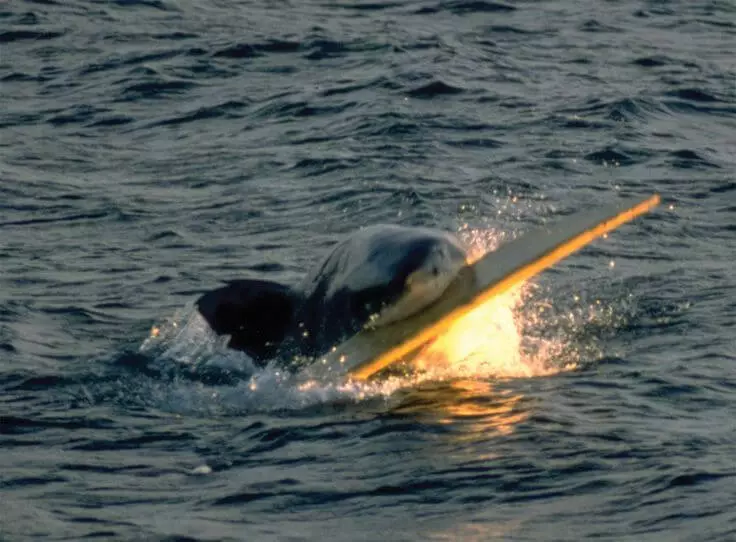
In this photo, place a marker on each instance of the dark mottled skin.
(363, 274)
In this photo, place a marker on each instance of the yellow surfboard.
(373, 350)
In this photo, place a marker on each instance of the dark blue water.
(150, 149)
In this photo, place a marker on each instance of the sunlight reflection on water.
(454, 376)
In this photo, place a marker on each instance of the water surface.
(150, 149)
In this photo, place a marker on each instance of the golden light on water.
(458, 374)
(488, 341)
(475, 405)
(484, 342)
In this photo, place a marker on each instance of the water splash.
(489, 342)
(515, 335)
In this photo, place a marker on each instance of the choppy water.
(151, 148)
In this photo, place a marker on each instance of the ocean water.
(150, 149)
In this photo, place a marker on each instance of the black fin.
(255, 313)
